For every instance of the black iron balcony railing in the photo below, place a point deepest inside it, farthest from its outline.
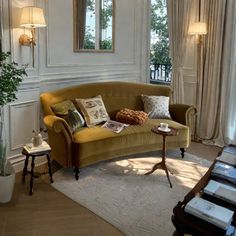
(160, 73)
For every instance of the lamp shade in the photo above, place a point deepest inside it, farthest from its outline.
(198, 28)
(32, 17)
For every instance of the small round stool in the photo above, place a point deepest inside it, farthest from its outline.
(33, 156)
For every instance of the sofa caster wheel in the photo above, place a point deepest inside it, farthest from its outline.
(77, 171)
(182, 152)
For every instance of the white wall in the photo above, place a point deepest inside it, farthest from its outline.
(56, 65)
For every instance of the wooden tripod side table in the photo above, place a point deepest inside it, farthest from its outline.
(162, 165)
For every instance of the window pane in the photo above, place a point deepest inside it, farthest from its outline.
(89, 36)
(106, 25)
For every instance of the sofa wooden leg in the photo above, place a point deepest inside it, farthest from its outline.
(182, 152)
(77, 171)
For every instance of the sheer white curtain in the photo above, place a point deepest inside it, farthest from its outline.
(210, 90)
(178, 23)
(227, 127)
(218, 108)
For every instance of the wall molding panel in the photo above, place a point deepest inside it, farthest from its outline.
(24, 119)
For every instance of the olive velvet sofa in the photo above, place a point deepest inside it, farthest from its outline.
(93, 144)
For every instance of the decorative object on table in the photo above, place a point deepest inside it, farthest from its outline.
(34, 152)
(131, 117)
(164, 127)
(37, 138)
(117, 191)
(11, 75)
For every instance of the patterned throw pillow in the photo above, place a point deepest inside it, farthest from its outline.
(157, 107)
(68, 111)
(93, 110)
(131, 117)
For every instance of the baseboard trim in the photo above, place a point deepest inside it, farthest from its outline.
(18, 161)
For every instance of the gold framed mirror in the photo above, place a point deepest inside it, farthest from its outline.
(93, 25)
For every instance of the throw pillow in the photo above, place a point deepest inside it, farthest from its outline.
(131, 117)
(157, 107)
(93, 109)
(68, 111)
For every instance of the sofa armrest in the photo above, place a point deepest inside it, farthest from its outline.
(60, 139)
(182, 113)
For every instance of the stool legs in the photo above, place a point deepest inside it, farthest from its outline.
(49, 168)
(32, 176)
(33, 156)
(25, 168)
(182, 152)
(76, 171)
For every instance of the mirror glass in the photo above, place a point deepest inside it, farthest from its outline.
(93, 25)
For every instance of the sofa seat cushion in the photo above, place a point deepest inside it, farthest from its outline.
(93, 142)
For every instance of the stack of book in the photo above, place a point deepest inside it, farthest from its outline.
(212, 213)
(224, 169)
(222, 191)
(228, 156)
(36, 149)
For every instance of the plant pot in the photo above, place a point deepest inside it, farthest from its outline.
(7, 183)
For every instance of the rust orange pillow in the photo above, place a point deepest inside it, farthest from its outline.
(131, 117)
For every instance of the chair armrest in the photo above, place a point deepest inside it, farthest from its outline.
(57, 124)
(60, 139)
(182, 113)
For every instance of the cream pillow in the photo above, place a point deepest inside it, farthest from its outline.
(93, 110)
(157, 107)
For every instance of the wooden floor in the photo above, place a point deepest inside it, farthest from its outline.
(50, 213)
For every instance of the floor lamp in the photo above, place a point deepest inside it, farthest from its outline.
(199, 29)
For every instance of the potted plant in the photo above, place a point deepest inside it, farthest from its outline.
(11, 75)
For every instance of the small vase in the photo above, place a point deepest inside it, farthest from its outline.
(37, 139)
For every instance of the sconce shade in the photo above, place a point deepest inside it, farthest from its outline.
(32, 17)
(198, 28)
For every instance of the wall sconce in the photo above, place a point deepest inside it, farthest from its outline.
(199, 29)
(31, 17)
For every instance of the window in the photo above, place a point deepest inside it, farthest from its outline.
(160, 64)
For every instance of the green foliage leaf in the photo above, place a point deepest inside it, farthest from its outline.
(11, 75)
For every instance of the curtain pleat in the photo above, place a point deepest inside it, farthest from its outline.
(178, 23)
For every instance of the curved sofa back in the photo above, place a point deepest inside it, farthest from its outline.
(116, 95)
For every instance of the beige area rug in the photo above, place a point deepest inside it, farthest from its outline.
(119, 192)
